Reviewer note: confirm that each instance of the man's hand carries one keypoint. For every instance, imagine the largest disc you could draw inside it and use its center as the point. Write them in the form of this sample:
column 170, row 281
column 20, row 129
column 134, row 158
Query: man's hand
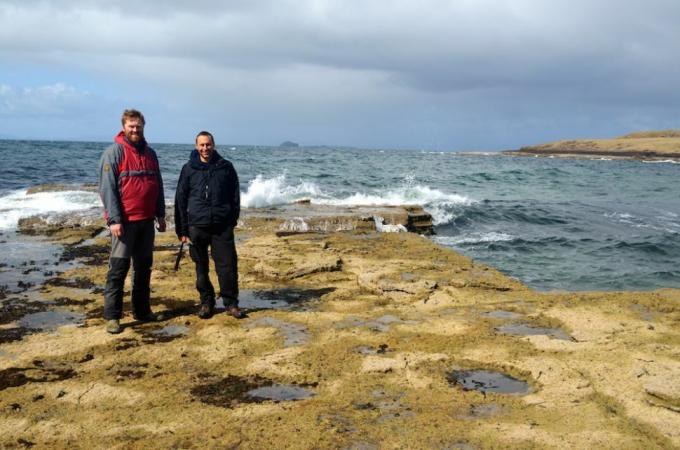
column 161, row 224
column 184, row 239
column 116, row 229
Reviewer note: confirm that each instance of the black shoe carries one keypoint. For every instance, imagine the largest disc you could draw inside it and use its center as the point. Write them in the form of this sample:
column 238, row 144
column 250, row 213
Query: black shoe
column 205, row 312
column 150, row 317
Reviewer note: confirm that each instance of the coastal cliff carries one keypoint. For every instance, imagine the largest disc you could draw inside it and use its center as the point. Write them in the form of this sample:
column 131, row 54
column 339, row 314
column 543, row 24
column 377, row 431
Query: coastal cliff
column 663, row 144
column 354, row 339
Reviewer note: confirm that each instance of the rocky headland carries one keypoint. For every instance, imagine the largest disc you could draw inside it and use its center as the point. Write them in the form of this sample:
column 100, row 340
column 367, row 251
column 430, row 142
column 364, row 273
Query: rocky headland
column 354, row 339
column 645, row 145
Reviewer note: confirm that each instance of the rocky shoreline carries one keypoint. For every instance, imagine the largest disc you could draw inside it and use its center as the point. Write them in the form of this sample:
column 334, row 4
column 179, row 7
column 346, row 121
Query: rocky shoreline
column 354, row 339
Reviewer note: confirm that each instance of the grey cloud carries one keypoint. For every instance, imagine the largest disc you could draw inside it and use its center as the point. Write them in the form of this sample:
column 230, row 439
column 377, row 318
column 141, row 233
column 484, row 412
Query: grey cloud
column 433, row 64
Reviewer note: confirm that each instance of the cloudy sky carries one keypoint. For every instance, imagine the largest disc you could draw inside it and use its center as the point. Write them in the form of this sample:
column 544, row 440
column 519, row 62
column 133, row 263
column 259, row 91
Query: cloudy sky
column 426, row 74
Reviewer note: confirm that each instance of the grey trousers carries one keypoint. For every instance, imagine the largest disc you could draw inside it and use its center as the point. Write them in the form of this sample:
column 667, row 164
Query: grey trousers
column 135, row 244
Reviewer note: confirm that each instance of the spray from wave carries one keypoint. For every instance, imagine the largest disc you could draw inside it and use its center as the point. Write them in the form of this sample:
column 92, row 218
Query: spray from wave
column 274, row 191
column 19, row 204
column 264, row 192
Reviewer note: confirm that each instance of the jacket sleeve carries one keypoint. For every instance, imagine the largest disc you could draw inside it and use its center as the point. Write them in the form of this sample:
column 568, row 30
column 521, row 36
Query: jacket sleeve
column 182, row 204
column 236, row 207
column 108, row 184
column 160, row 201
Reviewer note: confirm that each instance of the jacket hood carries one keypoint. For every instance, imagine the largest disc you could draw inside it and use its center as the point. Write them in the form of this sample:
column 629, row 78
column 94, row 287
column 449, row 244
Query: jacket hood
column 122, row 140
column 216, row 160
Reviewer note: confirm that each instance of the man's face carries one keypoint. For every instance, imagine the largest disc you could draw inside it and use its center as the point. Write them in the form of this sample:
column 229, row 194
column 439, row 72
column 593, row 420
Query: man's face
column 134, row 130
column 205, row 148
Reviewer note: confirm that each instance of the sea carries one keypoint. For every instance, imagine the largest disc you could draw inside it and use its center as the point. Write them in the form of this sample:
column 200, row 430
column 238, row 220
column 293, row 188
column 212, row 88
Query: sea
column 552, row 223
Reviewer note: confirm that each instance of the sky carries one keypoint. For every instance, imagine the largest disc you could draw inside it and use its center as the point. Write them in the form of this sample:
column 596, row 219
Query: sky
column 427, row 74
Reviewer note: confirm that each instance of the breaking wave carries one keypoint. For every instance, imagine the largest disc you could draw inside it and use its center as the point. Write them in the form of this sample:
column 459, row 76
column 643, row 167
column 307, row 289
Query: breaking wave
column 19, row 204
column 264, row 192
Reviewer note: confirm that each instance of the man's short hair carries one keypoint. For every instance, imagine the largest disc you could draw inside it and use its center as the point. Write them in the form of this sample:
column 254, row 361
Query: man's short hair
column 132, row 114
column 206, row 133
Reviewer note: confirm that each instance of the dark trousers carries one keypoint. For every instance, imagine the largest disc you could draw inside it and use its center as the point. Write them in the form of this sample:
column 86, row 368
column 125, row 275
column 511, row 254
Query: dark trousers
column 136, row 243
column 220, row 240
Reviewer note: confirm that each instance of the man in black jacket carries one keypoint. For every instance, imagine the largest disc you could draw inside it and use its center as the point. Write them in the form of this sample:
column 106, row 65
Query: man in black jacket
column 207, row 207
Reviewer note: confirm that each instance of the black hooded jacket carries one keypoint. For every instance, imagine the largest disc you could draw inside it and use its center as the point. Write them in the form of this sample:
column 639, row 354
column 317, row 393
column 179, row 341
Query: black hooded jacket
column 207, row 194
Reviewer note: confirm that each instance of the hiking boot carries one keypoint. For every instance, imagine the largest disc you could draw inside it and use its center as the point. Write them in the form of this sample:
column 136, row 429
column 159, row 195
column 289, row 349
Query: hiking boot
column 150, row 317
column 205, row 312
column 113, row 326
column 236, row 312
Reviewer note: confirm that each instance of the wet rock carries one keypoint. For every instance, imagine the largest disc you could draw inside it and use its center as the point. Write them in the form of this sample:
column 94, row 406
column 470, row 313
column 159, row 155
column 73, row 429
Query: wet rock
column 57, row 187
column 91, row 255
column 66, row 301
column 17, row 376
column 86, row 358
column 61, row 224
column 293, row 334
column 126, row 343
column 78, row 282
column 15, row 308
column 25, row 443
column 297, row 299
column 167, row 333
column 231, row 391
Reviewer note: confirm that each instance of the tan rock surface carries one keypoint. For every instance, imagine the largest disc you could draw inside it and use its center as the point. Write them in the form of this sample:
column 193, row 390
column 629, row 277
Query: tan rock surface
column 371, row 358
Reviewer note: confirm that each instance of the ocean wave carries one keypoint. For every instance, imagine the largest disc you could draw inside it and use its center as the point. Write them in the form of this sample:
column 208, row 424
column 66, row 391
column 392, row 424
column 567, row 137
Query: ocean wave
column 663, row 161
column 264, row 192
column 474, row 238
column 19, row 204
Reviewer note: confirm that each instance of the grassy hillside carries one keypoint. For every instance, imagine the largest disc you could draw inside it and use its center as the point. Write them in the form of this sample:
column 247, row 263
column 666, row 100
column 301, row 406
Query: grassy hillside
column 643, row 144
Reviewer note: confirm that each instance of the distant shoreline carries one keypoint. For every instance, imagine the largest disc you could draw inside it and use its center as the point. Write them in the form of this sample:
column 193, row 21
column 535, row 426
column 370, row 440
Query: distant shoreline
column 646, row 146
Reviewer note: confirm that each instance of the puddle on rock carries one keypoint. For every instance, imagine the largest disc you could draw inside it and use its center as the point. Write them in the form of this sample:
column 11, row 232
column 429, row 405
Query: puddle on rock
column 14, row 308
column 501, row 314
column 645, row 313
column 166, row 334
column 51, row 320
column 482, row 411
column 522, row 329
column 488, row 381
column 280, row 393
column 381, row 324
column 293, row 334
column 229, row 392
column 390, row 406
column 294, row 299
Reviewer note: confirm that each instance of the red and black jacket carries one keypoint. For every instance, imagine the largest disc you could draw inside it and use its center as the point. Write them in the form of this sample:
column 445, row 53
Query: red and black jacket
column 130, row 182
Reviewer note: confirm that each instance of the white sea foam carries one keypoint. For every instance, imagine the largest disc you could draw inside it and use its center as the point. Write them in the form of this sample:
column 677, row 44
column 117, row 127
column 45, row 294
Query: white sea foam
column 264, row 192
column 474, row 238
column 18, row 204
column 436, row 202
column 662, row 161
column 275, row 191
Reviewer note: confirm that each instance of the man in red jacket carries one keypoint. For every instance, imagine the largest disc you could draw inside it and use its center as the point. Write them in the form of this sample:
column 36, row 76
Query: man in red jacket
column 131, row 189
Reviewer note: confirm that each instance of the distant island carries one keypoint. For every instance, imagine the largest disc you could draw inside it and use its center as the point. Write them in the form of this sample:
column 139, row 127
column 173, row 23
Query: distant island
column 289, row 144
column 640, row 145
